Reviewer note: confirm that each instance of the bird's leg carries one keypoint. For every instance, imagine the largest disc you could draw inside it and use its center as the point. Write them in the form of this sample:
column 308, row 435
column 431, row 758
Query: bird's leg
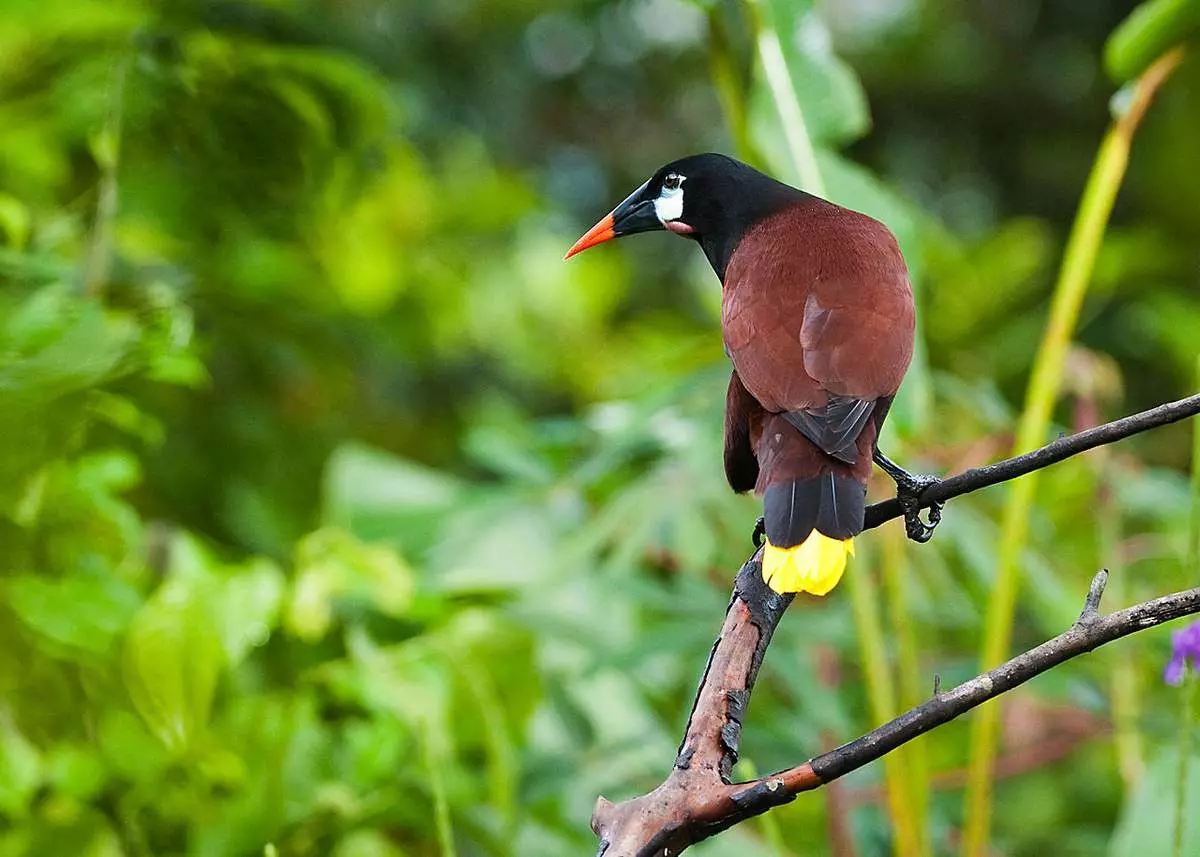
column 908, row 491
column 760, row 530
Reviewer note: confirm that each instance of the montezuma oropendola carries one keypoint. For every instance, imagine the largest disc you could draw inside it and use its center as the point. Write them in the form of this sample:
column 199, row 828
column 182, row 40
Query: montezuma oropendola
column 818, row 320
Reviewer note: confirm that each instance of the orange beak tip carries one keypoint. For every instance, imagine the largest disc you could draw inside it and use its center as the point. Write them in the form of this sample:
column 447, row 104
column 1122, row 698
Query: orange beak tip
column 598, row 234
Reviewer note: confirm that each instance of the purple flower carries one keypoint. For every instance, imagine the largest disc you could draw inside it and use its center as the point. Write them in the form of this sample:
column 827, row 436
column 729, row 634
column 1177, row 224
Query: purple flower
column 1185, row 650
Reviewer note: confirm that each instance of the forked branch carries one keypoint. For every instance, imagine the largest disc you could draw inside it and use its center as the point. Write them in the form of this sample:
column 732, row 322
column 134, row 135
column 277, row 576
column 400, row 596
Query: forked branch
column 697, row 800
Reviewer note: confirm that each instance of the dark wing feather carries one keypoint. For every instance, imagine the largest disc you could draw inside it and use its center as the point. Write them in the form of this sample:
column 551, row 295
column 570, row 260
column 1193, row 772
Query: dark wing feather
column 835, row 427
column 741, row 464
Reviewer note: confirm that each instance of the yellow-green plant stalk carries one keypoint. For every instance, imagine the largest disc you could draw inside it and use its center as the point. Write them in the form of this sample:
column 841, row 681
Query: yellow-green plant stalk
column 435, row 754
column 915, row 761
column 1185, row 758
column 1079, row 258
column 1193, row 545
column 106, row 149
column 1186, row 720
column 729, row 88
column 1124, row 698
column 881, row 700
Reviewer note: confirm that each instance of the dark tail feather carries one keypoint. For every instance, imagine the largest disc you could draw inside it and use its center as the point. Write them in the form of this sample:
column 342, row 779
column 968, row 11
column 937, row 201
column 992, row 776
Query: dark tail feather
column 811, row 524
column 831, row 504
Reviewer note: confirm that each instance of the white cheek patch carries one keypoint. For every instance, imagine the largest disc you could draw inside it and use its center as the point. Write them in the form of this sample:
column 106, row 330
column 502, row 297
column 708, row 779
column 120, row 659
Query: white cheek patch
column 669, row 206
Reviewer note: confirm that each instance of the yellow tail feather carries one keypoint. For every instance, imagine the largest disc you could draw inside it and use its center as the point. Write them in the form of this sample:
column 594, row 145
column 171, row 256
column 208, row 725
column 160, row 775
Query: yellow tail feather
column 815, row 565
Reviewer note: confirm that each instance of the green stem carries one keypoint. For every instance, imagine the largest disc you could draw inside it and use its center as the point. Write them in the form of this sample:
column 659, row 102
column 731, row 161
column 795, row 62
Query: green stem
column 895, row 587
column 1193, row 545
column 1079, row 259
column 1185, row 757
column 881, row 698
column 99, row 253
column 783, row 93
column 433, row 756
column 730, row 88
column 1189, row 681
column 1123, row 686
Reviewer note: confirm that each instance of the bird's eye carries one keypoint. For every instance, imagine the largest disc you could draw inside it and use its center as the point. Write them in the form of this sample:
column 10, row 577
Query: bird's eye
column 672, row 181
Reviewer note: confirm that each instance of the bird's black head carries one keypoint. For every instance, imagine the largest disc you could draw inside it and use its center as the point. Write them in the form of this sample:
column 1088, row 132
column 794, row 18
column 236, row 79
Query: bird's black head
column 710, row 198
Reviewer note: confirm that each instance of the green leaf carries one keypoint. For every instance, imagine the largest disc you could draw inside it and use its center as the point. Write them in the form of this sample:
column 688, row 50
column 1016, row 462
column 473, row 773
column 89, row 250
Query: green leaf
column 330, row 565
column 14, row 221
column 829, row 94
column 351, row 100
column 496, row 544
column 249, row 603
column 367, row 843
column 245, row 599
column 376, row 495
column 76, row 770
column 84, row 613
column 61, row 346
column 20, row 769
column 129, row 749
column 1147, row 824
column 1152, row 29
column 506, row 453
column 104, row 146
column 124, row 414
column 172, row 660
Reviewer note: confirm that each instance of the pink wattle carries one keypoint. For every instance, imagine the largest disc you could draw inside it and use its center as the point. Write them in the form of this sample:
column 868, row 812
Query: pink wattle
column 679, row 227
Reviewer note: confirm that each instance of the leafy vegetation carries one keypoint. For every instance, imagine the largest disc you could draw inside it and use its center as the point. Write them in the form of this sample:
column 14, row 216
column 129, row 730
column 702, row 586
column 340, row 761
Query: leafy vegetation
column 338, row 516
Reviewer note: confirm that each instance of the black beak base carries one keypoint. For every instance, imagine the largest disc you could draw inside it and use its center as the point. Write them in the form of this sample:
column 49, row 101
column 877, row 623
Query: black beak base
column 635, row 215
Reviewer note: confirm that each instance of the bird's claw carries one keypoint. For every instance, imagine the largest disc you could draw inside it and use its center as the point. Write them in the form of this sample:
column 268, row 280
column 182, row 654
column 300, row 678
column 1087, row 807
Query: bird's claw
column 760, row 530
column 918, row 530
column 909, row 487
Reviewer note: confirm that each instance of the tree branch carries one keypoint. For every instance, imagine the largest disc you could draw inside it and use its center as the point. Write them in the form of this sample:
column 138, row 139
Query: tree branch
column 697, row 800
column 1051, row 453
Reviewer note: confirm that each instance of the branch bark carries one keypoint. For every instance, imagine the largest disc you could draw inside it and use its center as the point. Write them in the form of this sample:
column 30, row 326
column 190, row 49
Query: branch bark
column 697, row 800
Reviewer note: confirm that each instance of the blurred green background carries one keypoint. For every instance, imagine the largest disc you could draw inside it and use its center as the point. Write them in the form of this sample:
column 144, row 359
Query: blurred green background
column 339, row 516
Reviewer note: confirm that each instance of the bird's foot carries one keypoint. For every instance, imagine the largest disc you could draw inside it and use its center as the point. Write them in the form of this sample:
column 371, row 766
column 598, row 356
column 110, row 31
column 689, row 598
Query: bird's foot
column 909, row 487
column 918, row 530
column 760, row 530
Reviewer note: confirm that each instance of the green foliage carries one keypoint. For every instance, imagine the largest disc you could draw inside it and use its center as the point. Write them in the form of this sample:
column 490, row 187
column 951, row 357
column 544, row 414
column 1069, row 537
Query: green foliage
column 1147, row 826
column 338, row 516
column 1151, row 30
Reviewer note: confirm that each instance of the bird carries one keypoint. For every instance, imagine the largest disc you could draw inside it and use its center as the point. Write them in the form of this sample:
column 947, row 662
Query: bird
column 818, row 321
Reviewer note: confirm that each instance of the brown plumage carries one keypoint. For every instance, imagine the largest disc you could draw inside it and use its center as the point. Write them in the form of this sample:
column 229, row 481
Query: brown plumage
column 816, row 306
column 817, row 316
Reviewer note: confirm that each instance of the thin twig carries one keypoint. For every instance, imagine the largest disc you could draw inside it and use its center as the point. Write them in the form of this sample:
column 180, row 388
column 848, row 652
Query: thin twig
column 1089, row 632
column 1051, row 453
